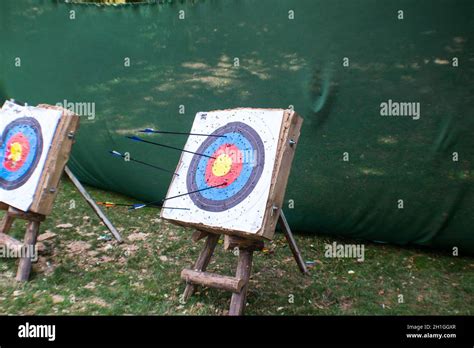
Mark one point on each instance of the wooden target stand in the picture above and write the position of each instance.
(238, 285)
(245, 243)
(45, 193)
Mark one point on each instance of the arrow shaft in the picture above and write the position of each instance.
(153, 166)
(110, 204)
(183, 133)
(181, 195)
(118, 154)
(169, 147)
(188, 193)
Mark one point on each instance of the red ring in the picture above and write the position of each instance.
(236, 155)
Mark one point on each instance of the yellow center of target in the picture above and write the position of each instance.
(15, 152)
(221, 165)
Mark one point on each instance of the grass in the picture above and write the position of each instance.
(77, 274)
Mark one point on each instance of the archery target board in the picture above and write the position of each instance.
(223, 180)
(26, 135)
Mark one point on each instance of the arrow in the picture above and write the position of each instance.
(132, 206)
(118, 154)
(112, 204)
(151, 130)
(149, 205)
(139, 206)
(188, 193)
(135, 138)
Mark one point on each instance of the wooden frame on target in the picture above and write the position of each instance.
(58, 156)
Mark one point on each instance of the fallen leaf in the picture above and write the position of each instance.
(137, 236)
(90, 286)
(106, 259)
(57, 299)
(78, 246)
(129, 247)
(46, 235)
(107, 247)
(64, 226)
(98, 301)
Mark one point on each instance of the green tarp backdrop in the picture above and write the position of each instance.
(399, 179)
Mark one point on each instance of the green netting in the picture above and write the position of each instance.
(299, 62)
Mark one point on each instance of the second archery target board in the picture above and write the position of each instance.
(26, 135)
(233, 171)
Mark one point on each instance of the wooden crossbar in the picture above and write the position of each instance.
(213, 280)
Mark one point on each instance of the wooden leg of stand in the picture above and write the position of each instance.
(6, 223)
(93, 205)
(244, 266)
(292, 243)
(24, 267)
(202, 262)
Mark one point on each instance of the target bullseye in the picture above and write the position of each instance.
(222, 165)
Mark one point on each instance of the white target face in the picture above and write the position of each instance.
(26, 136)
(224, 174)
